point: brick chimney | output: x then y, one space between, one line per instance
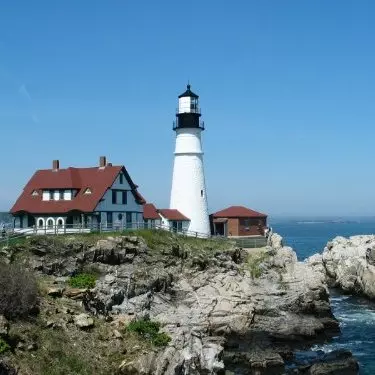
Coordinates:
102 162
56 165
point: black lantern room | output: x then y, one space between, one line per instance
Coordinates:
188 112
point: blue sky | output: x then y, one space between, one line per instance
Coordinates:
287 92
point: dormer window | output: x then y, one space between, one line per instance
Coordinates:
35 193
61 195
87 191
51 194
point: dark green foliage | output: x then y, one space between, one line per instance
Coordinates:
161 339
18 292
3 346
149 331
83 280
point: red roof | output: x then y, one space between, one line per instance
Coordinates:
238 211
172 214
99 180
150 211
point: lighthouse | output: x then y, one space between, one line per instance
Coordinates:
188 193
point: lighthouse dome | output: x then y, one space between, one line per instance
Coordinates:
188 93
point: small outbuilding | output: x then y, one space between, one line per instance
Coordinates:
238 221
151 216
174 220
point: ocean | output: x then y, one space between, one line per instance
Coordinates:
356 315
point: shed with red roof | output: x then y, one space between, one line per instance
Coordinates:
238 221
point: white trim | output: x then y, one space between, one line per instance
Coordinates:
58 219
40 219
53 222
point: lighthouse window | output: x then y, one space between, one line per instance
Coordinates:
201 193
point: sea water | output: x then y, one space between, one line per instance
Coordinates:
356 315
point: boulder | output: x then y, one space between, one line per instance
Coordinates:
83 321
349 264
339 362
55 292
4 326
6 369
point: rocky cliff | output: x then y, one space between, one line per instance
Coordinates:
219 308
349 264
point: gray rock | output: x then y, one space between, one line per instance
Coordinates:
83 321
339 362
349 264
6 369
201 298
55 292
4 326
198 308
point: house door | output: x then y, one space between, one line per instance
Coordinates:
109 219
30 221
174 226
69 221
220 229
128 220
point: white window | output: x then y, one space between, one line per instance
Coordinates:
46 195
60 222
35 193
87 191
50 223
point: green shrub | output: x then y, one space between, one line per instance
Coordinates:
254 263
149 331
83 280
3 346
161 339
18 292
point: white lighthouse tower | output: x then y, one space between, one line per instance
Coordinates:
188 193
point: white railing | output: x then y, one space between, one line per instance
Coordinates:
9 234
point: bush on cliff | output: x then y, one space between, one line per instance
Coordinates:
149 330
18 292
83 280
3 346
254 263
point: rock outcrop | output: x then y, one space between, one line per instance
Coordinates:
349 264
223 309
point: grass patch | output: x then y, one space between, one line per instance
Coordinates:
254 263
149 330
83 281
154 238
65 351
3 346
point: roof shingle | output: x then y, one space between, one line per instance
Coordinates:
172 214
237 211
99 180
150 212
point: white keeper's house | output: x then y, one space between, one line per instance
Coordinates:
56 197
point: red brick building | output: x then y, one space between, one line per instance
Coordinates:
238 221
